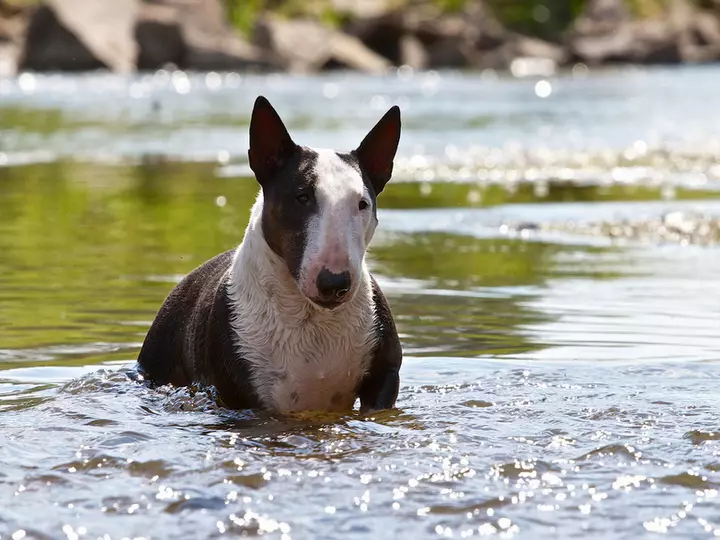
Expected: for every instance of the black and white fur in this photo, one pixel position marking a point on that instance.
(291, 320)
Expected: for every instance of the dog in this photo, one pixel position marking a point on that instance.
(291, 320)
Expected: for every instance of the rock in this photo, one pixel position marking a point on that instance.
(304, 46)
(413, 53)
(706, 28)
(13, 25)
(72, 35)
(211, 42)
(422, 35)
(488, 33)
(50, 46)
(525, 56)
(642, 42)
(382, 34)
(451, 52)
(701, 40)
(363, 9)
(349, 52)
(193, 34)
(600, 16)
(527, 47)
(449, 40)
(159, 37)
(9, 58)
(606, 33)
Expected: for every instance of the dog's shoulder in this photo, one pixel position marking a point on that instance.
(167, 354)
(209, 273)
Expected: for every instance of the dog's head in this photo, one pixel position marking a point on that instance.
(319, 206)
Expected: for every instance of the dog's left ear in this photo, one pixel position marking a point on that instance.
(377, 150)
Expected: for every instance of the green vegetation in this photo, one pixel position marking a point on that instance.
(546, 19)
(243, 13)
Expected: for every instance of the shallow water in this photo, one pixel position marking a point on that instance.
(559, 381)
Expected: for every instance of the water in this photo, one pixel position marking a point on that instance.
(559, 381)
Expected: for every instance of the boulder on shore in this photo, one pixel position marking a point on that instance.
(208, 40)
(304, 45)
(75, 35)
(700, 41)
(423, 37)
(643, 42)
(606, 33)
(122, 35)
(525, 56)
(13, 25)
(159, 37)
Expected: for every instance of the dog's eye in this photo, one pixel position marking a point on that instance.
(303, 198)
(363, 204)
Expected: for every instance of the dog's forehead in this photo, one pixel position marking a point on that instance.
(335, 174)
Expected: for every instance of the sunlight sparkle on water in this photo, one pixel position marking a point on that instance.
(213, 80)
(555, 311)
(181, 82)
(543, 89)
(27, 83)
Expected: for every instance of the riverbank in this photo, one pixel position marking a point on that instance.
(206, 35)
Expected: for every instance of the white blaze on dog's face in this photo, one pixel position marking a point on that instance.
(319, 206)
(338, 231)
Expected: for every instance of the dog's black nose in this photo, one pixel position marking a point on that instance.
(333, 286)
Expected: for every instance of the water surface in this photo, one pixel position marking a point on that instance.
(557, 382)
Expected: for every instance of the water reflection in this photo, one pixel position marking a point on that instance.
(552, 384)
(481, 450)
(90, 252)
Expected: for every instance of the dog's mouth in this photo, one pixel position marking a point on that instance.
(328, 304)
(333, 303)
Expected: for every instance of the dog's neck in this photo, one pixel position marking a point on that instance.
(259, 275)
(301, 354)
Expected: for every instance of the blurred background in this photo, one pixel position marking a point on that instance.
(547, 245)
(363, 35)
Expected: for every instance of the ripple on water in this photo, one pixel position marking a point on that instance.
(514, 451)
(678, 227)
(556, 384)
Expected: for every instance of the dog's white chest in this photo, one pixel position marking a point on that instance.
(318, 380)
(313, 366)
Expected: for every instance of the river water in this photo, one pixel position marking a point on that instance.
(547, 248)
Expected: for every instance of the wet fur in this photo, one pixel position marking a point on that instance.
(301, 357)
(196, 337)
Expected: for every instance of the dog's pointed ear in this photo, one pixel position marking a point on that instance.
(270, 142)
(377, 150)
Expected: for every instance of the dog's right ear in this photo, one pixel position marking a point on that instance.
(270, 142)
